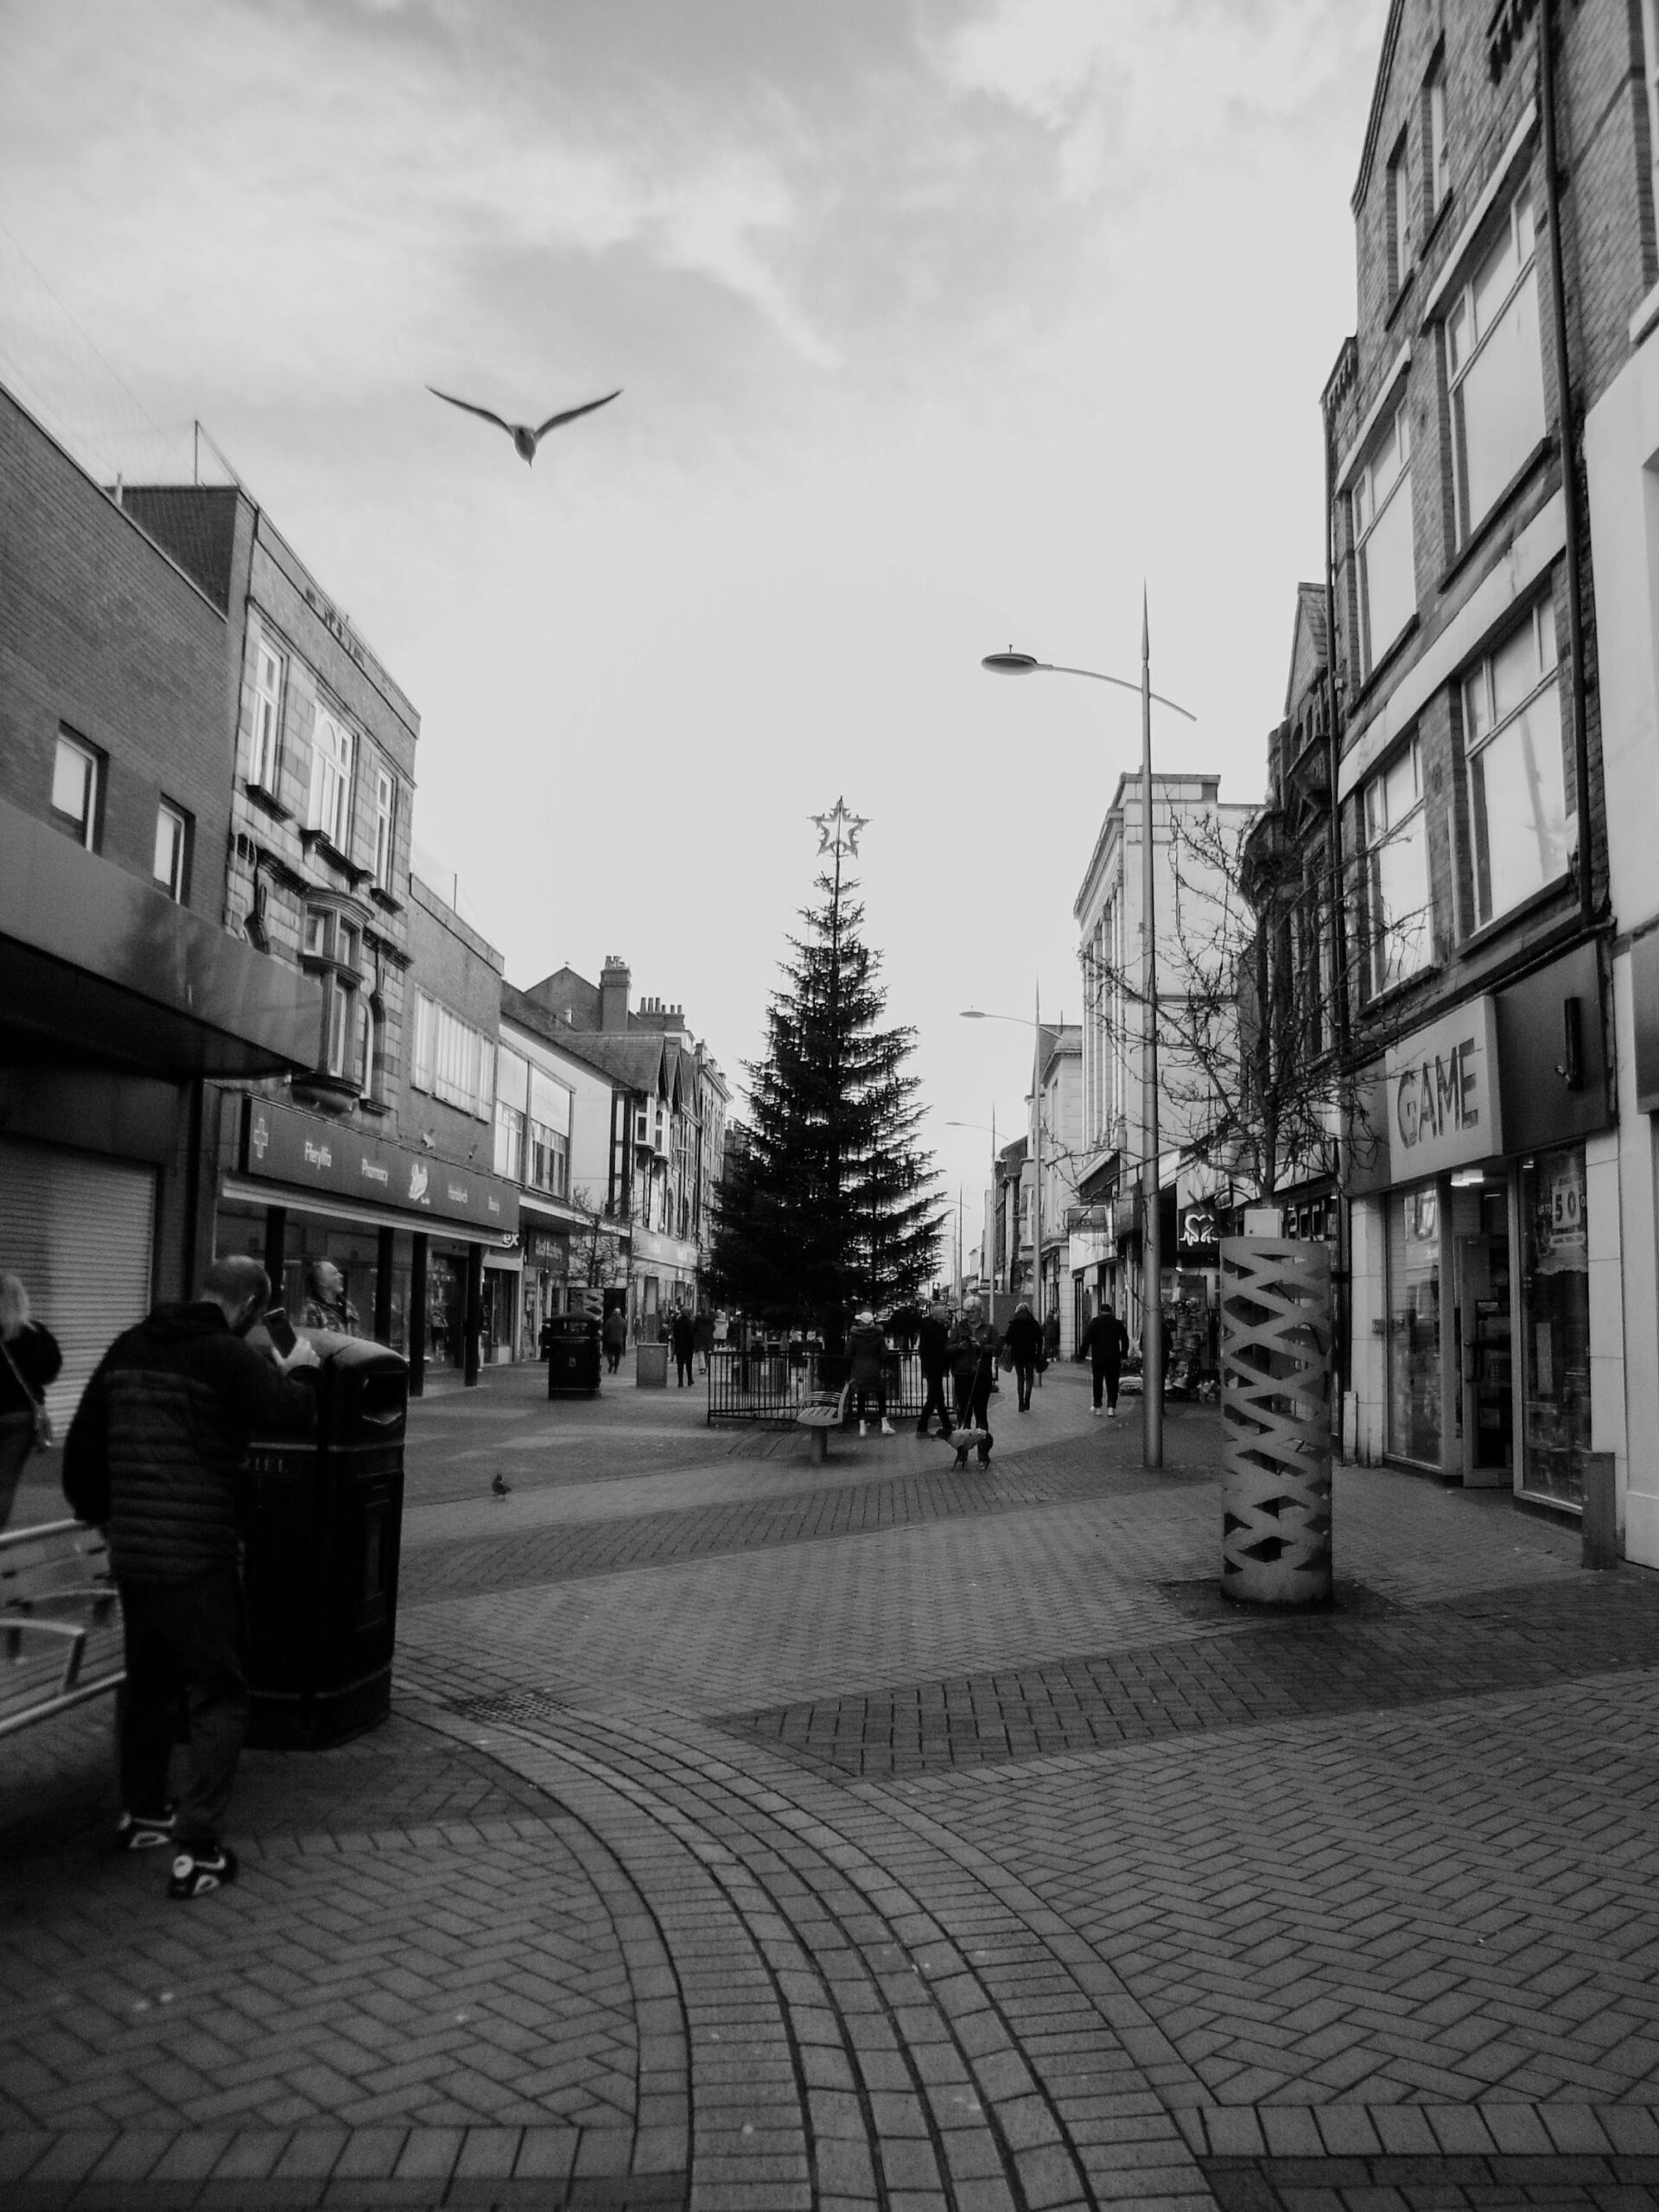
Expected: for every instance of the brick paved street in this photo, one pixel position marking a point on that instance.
(750, 1833)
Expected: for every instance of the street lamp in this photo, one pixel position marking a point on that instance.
(1152, 1397)
(975, 1013)
(988, 1128)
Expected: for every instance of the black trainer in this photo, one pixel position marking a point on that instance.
(143, 1831)
(204, 1867)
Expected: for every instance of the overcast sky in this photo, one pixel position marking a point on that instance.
(941, 327)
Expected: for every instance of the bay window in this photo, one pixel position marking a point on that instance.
(1522, 833)
(1495, 369)
(1394, 873)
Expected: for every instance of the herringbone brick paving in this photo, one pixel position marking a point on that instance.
(1361, 1912)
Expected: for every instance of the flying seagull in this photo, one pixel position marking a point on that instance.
(524, 439)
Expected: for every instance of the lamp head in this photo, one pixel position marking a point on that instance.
(1011, 662)
(973, 1014)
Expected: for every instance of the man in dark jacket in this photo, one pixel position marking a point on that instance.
(682, 1333)
(157, 1455)
(933, 1347)
(1105, 1340)
(1022, 1340)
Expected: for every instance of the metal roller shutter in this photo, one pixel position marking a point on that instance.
(79, 1231)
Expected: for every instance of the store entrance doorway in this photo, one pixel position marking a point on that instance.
(1484, 1326)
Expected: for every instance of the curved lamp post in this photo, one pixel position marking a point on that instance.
(1152, 1394)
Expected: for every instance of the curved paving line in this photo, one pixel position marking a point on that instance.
(742, 1830)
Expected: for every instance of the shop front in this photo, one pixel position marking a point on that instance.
(421, 1245)
(1479, 1213)
(664, 1279)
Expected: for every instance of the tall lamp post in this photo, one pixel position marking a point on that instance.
(975, 1013)
(990, 1129)
(1152, 1396)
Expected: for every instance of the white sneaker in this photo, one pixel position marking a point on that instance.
(1112, 1410)
(1095, 1410)
(862, 1430)
(887, 1428)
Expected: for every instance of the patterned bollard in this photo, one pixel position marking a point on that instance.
(1275, 1400)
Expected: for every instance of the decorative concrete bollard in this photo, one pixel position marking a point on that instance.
(1276, 1404)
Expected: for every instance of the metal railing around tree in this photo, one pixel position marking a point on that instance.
(766, 1380)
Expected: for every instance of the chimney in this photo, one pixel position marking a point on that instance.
(614, 982)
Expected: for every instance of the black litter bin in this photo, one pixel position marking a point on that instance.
(573, 1356)
(323, 1533)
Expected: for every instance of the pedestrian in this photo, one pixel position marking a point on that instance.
(1022, 1340)
(1105, 1340)
(683, 1336)
(156, 1455)
(703, 1337)
(973, 1372)
(1052, 1335)
(867, 1349)
(326, 1305)
(615, 1334)
(30, 1364)
(933, 1347)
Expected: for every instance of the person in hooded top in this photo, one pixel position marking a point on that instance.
(867, 1351)
(156, 1455)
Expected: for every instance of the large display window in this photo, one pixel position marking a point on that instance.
(1554, 1325)
(1415, 1324)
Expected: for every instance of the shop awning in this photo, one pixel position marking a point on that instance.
(99, 964)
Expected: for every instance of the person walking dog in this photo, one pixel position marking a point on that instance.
(156, 1455)
(1105, 1340)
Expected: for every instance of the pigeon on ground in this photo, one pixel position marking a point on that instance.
(500, 1487)
(524, 439)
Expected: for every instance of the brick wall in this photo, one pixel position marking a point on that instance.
(102, 634)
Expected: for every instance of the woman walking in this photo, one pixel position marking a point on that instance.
(29, 1361)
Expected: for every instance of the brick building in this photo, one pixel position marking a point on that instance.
(121, 998)
(1502, 245)
(376, 1154)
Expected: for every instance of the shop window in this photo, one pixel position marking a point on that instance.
(1518, 820)
(1494, 368)
(1394, 874)
(263, 736)
(1555, 1325)
(1415, 1324)
(78, 790)
(172, 863)
(1385, 547)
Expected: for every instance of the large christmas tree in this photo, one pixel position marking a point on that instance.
(829, 1205)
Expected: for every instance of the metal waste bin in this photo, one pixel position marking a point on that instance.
(573, 1356)
(324, 1529)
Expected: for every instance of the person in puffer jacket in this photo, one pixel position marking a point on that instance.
(156, 1455)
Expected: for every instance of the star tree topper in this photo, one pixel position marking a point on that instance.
(838, 830)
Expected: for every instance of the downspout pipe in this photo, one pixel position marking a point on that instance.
(1567, 434)
(1338, 916)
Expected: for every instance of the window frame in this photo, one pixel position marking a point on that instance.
(1396, 431)
(265, 738)
(1397, 191)
(331, 775)
(1483, 671)
(385, 825)
(1437, 150)
(1382, 972)
(86, 828)
(176, 884)
(1462, 304)
(452, 1061)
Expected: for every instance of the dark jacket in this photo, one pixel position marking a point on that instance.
(158, 1450)
(1105, 1340)
(933, 1343)
(1023, 1339)
(34, 1352)
(683, 1333)
(866, 1349)
(973, 1352)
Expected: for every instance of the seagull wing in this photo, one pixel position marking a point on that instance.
(468, 405)
(571, 413)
